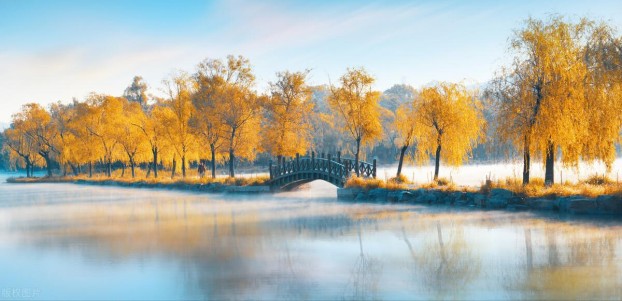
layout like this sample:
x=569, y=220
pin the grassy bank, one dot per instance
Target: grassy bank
x=592, y=187
x=224, y=181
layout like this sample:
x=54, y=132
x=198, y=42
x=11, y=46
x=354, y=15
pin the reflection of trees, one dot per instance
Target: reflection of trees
x=363, y=284
x=578, y=262
x=446, y=264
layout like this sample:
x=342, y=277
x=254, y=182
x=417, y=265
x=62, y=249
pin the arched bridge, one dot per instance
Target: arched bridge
x=289, y=173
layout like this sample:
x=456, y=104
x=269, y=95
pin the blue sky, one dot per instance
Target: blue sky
x=57, y=50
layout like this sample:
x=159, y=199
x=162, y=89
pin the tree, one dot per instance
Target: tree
x=447, y=117
x=102, y=119
x=288, y=110
x=66, y=143
x=152, y=127
x=550, y=71
x=85, y=149
x=517, y=109
x=224, y=94
x=137, y=91
x=206, y=122
x=177, y=113
x=36, y=123
x=357, y=105
x=405, y=128
x=603, y=94
x=241, y=119
x=22, y=148
x=131, y=138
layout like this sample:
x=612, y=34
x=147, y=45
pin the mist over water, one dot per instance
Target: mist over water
x=476, y=174
x=68, y=241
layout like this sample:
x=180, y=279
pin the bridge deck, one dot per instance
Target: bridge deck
x=293, y=172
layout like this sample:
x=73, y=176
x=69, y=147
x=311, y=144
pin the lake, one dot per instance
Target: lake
x=68, y=241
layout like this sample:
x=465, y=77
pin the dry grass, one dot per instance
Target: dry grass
x=368, y=184
x=252, y=181
x=400, y=179
x=592, y=187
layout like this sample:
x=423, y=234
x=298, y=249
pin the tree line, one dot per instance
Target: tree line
x=559, y=97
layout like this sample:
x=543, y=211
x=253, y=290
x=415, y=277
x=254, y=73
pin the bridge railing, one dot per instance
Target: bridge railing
x=339, y=168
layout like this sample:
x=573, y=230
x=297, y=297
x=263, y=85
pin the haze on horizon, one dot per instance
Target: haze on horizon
x=58, y=50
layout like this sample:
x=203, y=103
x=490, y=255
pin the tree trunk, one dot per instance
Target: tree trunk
x=399, y=165
x=356, y=156
x=183, y=166
x=27, y=168
x=526, y=162
x=48, y=162
x=109, y=168
x=437, y=162
x=155, y=162
x=549, y=174
x=148, y=170
x=90, y=169
x=231, y=161
x=122, y=170
x=174, y=167
x=213, y=149
x=132, y=164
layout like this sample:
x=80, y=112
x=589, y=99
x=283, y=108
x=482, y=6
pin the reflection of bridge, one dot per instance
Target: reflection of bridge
x=289, y=173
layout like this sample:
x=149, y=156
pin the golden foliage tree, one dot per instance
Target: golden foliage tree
x=101, y=118
x=225, y=89
x=561, y=93
x=404, y=125
x=288, y=110
x=356, y=104
x=211, y=79
x=22, y=147
x=131, y=138
x=66, y=143
x=36, y=124
x=448, y=121
x=152, y=127
x=177, y=112
x=603, y=93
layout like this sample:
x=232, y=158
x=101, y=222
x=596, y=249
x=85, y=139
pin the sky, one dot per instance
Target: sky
x=59, y=50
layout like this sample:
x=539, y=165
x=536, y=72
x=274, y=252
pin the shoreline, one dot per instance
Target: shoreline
x=495, y=199
x=180, y=185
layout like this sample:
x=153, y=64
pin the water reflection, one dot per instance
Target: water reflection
x=172, y=245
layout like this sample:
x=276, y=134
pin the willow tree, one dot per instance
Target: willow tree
x=404, y=125
x=66, y=143
x=37, y=123
x=516, y=113
x=603, y=93
x=85, y=148
x=448, y=124
x=22, y=148
x=288, y=109
x=356, y=103
x=550, y=73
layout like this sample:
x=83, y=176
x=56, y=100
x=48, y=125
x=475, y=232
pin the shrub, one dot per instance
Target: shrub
x=597, y=179
x=399, y=179
x=442, y=182
x=364, y=183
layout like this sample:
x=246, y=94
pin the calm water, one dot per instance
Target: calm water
x=64, y=241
